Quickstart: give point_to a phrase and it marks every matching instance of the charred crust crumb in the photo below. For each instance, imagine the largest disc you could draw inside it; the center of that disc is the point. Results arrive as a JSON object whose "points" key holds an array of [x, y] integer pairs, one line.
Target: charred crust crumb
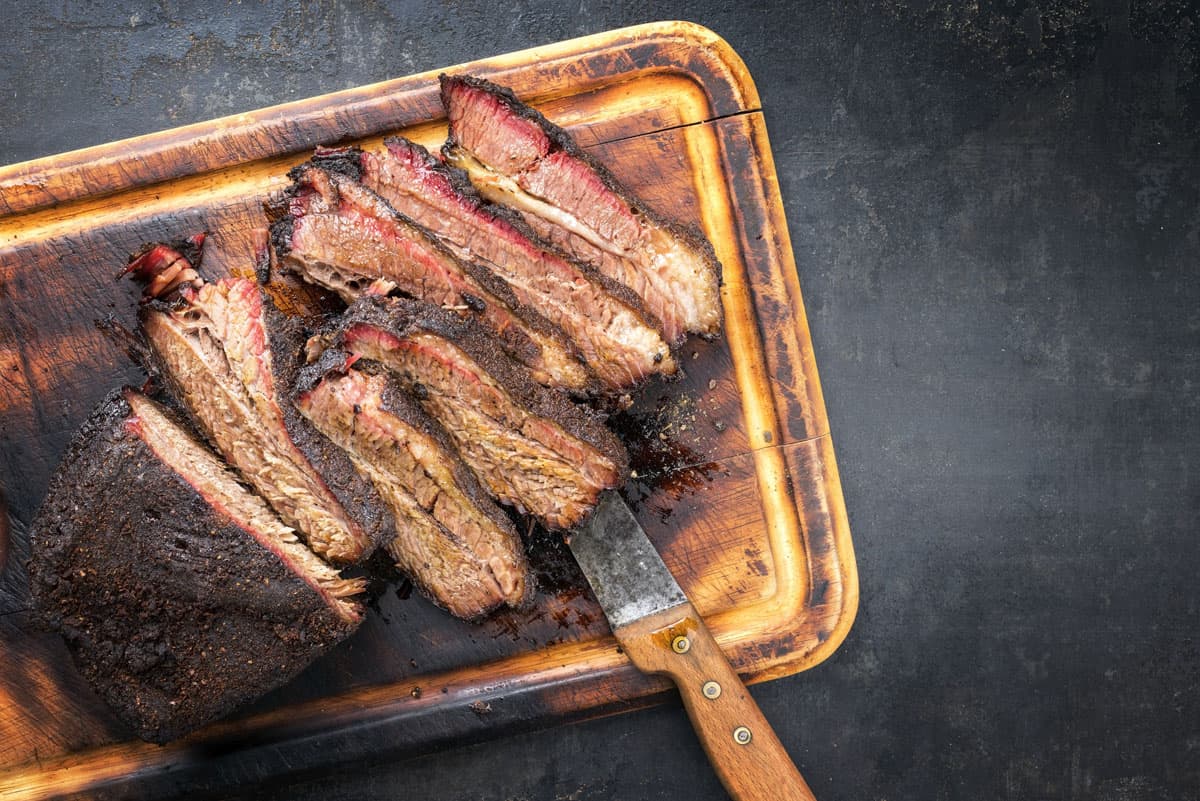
{"points": [[345, 161], [281, 234], [131, 342]]}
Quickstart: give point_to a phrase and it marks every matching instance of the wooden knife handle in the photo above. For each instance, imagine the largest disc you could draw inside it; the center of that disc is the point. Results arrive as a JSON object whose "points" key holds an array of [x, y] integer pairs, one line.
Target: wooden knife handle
{"points": [[743, 748]]}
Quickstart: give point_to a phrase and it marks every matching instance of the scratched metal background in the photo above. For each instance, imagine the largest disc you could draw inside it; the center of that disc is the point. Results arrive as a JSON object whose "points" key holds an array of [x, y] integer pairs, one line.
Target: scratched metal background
{"points": [[996, 218]]}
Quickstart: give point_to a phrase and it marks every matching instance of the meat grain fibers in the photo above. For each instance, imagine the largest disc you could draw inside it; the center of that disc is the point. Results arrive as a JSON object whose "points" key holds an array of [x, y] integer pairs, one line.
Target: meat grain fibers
{"points": [[455, 544], [621, 341], [530, 446], [338, 234], [516, 156]]}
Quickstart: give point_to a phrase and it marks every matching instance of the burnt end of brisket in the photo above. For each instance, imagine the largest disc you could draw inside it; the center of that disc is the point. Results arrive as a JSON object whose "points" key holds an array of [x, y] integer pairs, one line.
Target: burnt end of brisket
{"points": [[454, 543], [531, 447], [620, 340], [229, 357], [175, 612], [166, 268], [340, 235], [516, 156]]}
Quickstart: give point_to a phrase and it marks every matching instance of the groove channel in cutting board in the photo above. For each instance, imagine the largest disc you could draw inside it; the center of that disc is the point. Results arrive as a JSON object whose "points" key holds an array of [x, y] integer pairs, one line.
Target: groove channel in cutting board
{"points": [[740, 493]]}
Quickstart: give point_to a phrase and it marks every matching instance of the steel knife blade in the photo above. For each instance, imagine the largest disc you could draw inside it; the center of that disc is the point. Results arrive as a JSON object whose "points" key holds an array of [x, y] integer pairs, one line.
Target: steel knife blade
{"points": [[660, 631], [625, 571]]}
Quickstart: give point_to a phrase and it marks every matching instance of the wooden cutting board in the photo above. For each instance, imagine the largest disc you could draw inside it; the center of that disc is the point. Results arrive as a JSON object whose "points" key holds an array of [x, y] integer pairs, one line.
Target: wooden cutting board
{"points": [[735, 475]]}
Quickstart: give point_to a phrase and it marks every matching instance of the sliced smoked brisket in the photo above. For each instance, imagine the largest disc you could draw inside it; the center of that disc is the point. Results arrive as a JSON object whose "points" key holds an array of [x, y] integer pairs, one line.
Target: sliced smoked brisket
{"points": [[621, 342], [179, 593], [338, 234], [230, 358], [530, 446], [516, 156], [455, 544]]}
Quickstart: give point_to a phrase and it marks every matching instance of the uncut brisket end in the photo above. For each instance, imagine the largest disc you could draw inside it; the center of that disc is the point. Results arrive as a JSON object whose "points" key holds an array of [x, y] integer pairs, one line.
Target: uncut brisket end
{"points": [[178, 592], [530, 446], [455, 544], [230, 358], [517, 157], [340, 235], [621, 342]]}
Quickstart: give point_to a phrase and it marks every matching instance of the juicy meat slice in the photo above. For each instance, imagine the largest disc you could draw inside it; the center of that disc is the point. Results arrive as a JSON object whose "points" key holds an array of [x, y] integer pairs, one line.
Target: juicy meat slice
{"points": [[451, 539], [340, 235], [231, 359], [530, 446], [621, 342], [179, 593], [516, 156]]}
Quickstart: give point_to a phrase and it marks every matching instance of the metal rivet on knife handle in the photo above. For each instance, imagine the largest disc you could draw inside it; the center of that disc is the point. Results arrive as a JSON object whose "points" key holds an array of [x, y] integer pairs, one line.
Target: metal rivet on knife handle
{"points": [[711, 690], [681, 644], [742, 735]]}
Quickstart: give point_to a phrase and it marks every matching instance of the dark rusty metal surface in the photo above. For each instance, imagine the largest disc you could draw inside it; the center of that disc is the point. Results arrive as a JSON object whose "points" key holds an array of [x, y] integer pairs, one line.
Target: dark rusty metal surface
{"points": [[625, 572]]}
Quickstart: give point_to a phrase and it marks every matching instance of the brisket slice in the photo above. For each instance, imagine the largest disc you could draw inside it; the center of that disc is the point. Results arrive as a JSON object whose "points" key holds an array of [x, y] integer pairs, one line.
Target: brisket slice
{"points": [[621, 342], [517, 157], [530, 446], [455, 544], [340, 235], [230, 358], [178, 592]]}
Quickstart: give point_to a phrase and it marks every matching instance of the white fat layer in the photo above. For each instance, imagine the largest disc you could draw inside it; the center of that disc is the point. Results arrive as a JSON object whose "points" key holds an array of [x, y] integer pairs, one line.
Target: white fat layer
{"points": [[491, 182]]}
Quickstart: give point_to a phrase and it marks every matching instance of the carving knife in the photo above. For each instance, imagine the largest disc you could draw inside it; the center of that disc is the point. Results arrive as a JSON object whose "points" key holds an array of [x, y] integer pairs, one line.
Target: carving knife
{"points": [[660, 631]]}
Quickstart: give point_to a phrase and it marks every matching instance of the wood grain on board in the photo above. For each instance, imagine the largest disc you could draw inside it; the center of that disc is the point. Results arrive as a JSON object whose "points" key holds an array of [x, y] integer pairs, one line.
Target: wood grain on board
{"points": [[736, 480]]}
